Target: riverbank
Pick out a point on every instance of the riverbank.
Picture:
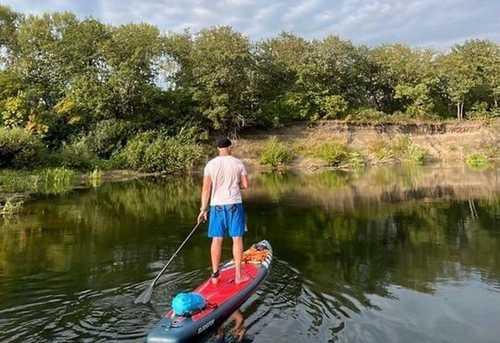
(18, 186)
(443, 142)
(368, 144)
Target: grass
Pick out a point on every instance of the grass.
(94, 178)
(47, 181)
(276, 154)
(477, 161)
(400, 149)
(337, 155)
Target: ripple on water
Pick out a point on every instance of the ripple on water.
(285, 306)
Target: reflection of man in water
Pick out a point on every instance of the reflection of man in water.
(223, 178)
(238, 331)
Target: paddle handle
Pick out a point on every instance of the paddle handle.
(175, 253)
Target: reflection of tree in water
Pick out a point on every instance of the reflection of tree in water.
(348, 235)
(109, 224)
(414, 246)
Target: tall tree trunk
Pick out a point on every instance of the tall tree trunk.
(458, 110)
(462, 111)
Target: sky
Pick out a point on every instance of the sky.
(422, 23)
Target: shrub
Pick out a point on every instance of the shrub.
(333, 153)
(19, 149)
(110, 136)
(155, 152)
(367, 115)
(401, 149)
(276, 154)
(133, 155)
(77, 155)
(336, 154)
(477, 161)
(333, 106)
(415, 153)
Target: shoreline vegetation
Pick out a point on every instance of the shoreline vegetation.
(78, 96)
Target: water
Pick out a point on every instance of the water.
(389, 255)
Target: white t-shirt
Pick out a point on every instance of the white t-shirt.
(225, 173)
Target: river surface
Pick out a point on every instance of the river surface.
(399, 254)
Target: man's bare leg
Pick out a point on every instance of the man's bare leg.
(237, 255)
(215, 254)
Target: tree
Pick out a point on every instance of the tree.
(131, 56)
(9, 22)
(404, 78)
(277, 64)
(471, 72)
(221, 63)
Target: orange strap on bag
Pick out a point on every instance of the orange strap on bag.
(253, 255)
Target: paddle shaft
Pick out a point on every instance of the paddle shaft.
(175, 254)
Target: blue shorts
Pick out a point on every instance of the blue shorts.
(226, 219)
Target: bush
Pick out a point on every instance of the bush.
(477, 161)
(336, 154)
(276, 154)
(333, 106)
(367, 115)
(19, 149)
(155, 152)
(77, 155)
(110, 136)
(333, 153)
(416, 154)
(401, 149)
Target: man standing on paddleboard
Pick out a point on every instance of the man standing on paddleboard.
(223, 178)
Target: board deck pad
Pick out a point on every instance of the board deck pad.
(225, 288)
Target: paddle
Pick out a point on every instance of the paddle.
(145, 296)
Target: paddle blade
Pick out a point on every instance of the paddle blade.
(145, 296)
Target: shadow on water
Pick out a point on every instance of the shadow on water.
(391, 254)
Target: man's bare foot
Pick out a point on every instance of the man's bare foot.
(241, 279)
(215, 278)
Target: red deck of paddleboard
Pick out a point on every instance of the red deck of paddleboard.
(224, 289)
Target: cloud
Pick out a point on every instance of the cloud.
(416, 22)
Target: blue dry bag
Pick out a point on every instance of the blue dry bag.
(185, 304)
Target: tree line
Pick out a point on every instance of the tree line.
(63, 77)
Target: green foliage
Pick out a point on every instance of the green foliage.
(400, 149)
(46, 181)
(221, 63)
(65, 77)
(418, 96)
(276, 154)
(333, 106)
(336, 154)
(55, 180)
(155, 152)
(109, 136)
(77, 154)
(15, 111)
(94, 178)
(477, 161)
(333, 153)
(19, 149)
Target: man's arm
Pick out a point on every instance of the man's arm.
(244, 181)
(205, 192)
(205, 198)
